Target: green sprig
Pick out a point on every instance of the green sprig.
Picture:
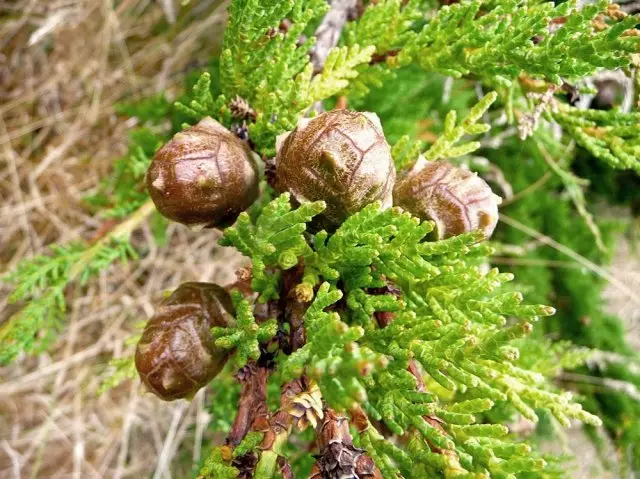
(245, 336)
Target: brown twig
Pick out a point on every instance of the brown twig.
(342, 103)
(253, 413)
(382, 57)
(338, 456)
(328, 32)
(285, 468)
(294, 309)
(270, 171)
(242, 282)
(278, 429)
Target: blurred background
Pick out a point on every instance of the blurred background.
(70, 71)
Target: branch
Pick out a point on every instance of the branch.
(300, 401)
(328, 32)
(338, 456)
(294, 308)
(616, 385)
(278, 430)
(253, 413)
(45, 291)
(384, 318)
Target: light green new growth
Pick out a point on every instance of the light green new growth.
(405, 152)
(612, 136)
(215, 466)
(245, 335)
(270, 69)
(415, 334)
(495, 40)
(256, 52)
(339, 68)
(388, 25)
(41, 283)
(277, 239)
(499, 44)
(445, 146)
(451, 319)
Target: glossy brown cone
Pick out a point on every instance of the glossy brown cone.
(456, 200)
(176, 354)
(204, 176)
(340, 157)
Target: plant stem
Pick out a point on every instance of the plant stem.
(328, 32)
(338, 456)
(384, 318)
(120, 232)
(252, 407)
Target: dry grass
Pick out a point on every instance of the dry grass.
(626, 264)
(63, 64)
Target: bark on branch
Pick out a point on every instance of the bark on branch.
(252, 413)
(338, 456)
(328, 32)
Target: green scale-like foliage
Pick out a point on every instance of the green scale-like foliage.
(458, 325)
(611, 136)
(245, 336)
(577, 292)
(500, 44)
(45, 278)
(271, 69)
(450, 318)
(276, 239)
(494, 40)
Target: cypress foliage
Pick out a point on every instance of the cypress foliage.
(395, 355)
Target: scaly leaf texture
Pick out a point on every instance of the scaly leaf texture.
(270, 68)
(611, 136)
(406, 152)
(275, 239)
(388, 26)
(446, 144)
(449, 317)
(41, 282)
(497, 41)
(244, 337)
(581, 316)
